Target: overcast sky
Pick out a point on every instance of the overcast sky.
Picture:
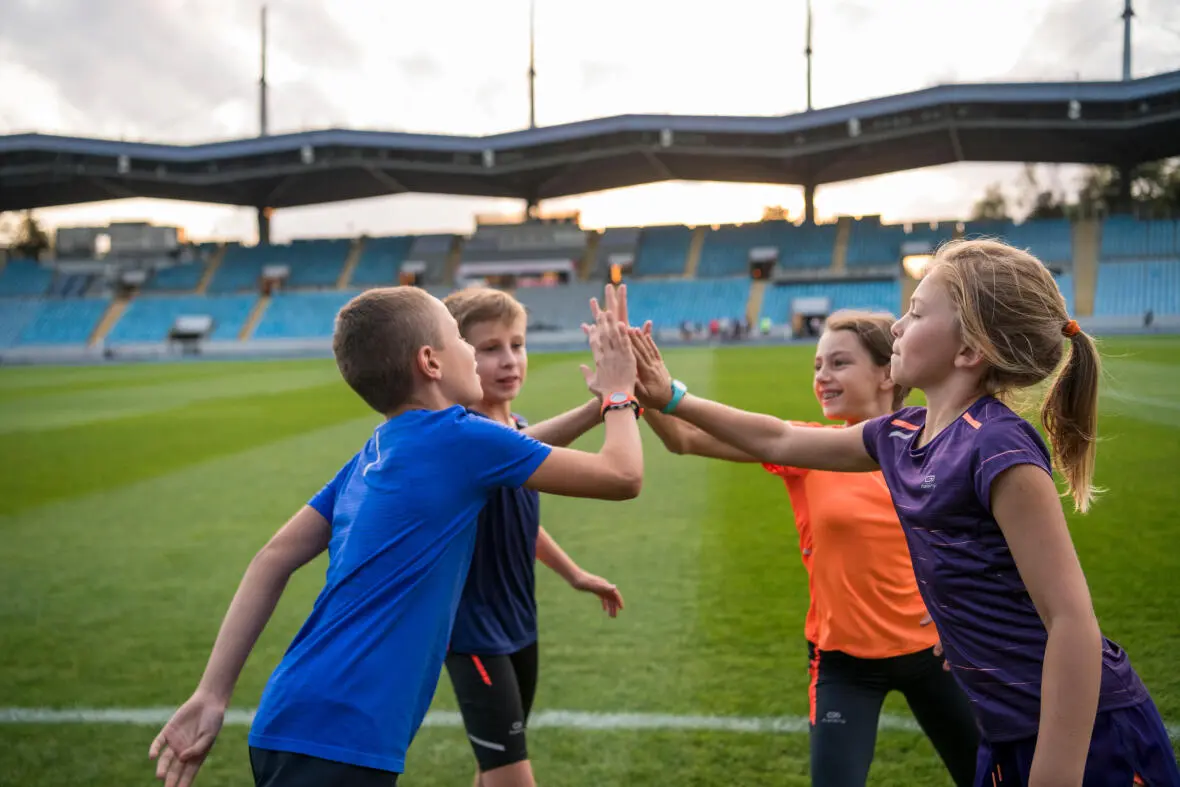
(186, 71)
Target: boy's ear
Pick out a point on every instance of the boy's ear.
(428, 362)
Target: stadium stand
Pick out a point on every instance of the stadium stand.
(1136, 265)
(1050, 239)
(24, 278)
(663, 251)
(880, 296)
(302, 315)
(177, 278)
(149, 319)
(614, 243)
(726, 251)
(668, 303)
(69, 321)
(15, 314)
(381, 261)
(1134, 287)
(558, 308)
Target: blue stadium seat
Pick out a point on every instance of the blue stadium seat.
(1128, 289)
(380, 261)
(24, 278)
(69, 321)
(726, 251)
(178, 278)
(1050, 240)
(301, 315)
(663, 251)
(15, 314)
(668, 303)
(150, 317)
(879, 296)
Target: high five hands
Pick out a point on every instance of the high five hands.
(652, 382)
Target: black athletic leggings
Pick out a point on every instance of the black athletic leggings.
(846, 698)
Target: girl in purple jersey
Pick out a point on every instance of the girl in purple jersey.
(1057, 703)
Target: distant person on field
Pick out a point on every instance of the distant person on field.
(971, 481)
(493, 660)
(866, 624)
(399, 523)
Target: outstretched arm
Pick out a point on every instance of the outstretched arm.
(189, 735)
(561, 430)
(681, 437)
(763, 438)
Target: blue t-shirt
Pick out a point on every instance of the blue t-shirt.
(498, 611)
(357, 680)
(990, 630)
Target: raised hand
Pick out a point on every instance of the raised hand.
(614, 358)
(654, 383)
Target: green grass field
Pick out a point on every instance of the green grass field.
(132, 498)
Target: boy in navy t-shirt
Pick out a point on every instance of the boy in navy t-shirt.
(399, 524)
(493, 657)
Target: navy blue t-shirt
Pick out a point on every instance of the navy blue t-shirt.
(498, 610)
(358, 678)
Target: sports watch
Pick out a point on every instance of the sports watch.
(679, 389)
(621, 401)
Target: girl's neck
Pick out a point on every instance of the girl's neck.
(945, 405)
(497, 411)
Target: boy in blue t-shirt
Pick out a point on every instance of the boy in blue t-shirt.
(493, 657)
(399, 524)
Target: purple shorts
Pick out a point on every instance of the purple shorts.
(1129, 746)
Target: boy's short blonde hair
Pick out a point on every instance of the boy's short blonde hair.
(473, 305)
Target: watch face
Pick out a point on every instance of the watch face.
(618, 398)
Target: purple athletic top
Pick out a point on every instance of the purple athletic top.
(991, 632)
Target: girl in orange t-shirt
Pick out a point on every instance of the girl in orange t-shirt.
(866, 627)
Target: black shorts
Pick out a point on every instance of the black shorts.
(288, 769)
(495, 695)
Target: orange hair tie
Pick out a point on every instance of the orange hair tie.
(1071, 329)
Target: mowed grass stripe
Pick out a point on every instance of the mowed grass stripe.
(116, 596)
(57, 463)
(72, 408)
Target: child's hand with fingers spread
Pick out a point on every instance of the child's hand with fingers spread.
(654, 385)
(614, 358)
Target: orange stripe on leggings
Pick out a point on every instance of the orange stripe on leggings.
(483, 673)
(813, 668)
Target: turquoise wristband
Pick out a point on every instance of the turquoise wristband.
(678, 392)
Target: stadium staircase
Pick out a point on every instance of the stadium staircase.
(754, 302)
(211, 270)
(840, 247)
(110, 317)
(354, 256)
(256, 314)
(1087, 243)
(693, 259)
(589, 256)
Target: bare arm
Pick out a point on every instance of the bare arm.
(561, 430)
(773, 441)
(1028, 511)
(680, 437)
(299, 541)
(614, 473)
(553, 556)
(746, 437)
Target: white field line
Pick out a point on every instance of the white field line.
(557, 719)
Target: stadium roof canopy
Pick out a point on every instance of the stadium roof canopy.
(1119, 123)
